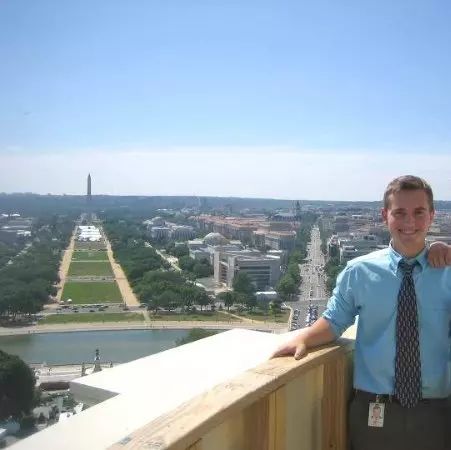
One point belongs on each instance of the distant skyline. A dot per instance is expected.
(350, 93)
(263, 173)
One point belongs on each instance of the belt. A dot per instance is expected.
(390, 398)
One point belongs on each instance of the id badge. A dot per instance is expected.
(376, 413)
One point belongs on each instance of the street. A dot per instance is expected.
(313, 286)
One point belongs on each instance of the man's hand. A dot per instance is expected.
(319, 333)
(439, 255)
(296, 347)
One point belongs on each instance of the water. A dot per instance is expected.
(78, 347)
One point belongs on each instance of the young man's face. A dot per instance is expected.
(376, 412)
(408, 218)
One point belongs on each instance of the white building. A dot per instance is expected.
(263, 270)
(155, 222)
(88, 233)
(445, 239)
(280, 240)
(159, 229)
(354, 246)
(200, 249)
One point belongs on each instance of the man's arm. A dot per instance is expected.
(319, 333)
(339, 315)
(439, 255)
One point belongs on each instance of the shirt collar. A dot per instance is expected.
(395, 257)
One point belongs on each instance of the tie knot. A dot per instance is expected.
(407, 268)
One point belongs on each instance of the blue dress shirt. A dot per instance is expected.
(368, 288)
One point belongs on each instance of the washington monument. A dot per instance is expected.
(88, 200)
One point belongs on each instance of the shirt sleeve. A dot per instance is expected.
(341, 309)
(448, 285)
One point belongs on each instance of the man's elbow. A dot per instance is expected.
(337, 328)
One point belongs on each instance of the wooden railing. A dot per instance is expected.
(282, 404)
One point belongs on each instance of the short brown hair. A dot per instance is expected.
(408, 183)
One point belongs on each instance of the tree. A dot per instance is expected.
(286, 287)
(179, 251)
(228, 298)
(17, 386)
(293, 271)
(201, 270)
(333, 268)
(187, 295)
(275, 307)
(245, 290)
(251, 302)
(169, 300)
(241, 299)
(242, 284)
(186, 263)
(202, 299)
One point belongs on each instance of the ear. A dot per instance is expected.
(384, 213)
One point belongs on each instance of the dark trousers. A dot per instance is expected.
(423, 427)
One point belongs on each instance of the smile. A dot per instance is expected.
(409, 232)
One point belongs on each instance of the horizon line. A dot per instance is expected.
(201, 196)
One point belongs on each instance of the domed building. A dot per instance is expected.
(215, 239)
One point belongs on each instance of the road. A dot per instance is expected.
(128, 296)
(313, 286)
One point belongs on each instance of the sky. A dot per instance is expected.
(296, 99)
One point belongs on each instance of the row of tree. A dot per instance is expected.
(177, 250)
(333, 266)
(198, 269)
(290, 282)
(195, 269)
(170, 290)
(128, 241)
(28, 282)
(149, 274)
(10, 250)
(332, 269)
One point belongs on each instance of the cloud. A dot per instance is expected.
(245, 172)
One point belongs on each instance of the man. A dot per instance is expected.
(401, 358)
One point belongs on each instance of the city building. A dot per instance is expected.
(155, 222)
(280, 240)
(263, 270)
(182, 232)
(200, 249)
(159, 229)
(347, 246)
(340, 224)
(440, 238)
(13, 227)
(160, 233)
(231, 227)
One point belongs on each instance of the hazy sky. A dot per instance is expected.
(324, 99)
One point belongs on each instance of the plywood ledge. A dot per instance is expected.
(182, 428)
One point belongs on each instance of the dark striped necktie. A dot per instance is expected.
(407, 360)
